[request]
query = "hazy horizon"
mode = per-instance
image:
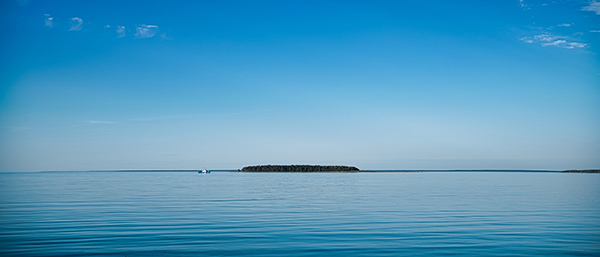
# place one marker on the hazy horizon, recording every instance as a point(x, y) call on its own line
point(380, 85)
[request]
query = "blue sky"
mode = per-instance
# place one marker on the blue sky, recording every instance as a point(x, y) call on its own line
point(103, 85)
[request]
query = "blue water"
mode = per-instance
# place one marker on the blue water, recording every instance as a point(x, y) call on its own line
point(305, 214)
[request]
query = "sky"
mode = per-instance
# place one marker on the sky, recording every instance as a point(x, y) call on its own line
point(116, 85)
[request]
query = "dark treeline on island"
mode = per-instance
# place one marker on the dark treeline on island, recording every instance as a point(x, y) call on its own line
point(581, 171)
point(299, 168)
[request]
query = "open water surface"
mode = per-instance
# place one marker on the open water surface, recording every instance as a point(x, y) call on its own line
point(299, 214)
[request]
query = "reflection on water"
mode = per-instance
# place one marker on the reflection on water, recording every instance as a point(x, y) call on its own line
point(314, 214)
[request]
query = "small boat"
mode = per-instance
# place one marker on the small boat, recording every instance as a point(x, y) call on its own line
point(204, 171)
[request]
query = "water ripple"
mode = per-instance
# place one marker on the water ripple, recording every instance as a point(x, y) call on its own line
point(376, 214)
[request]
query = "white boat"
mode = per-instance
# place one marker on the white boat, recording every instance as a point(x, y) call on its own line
point(204, 171)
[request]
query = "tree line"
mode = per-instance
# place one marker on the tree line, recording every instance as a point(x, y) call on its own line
point(299, 168)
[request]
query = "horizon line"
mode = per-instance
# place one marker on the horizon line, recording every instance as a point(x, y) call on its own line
point(366, 170)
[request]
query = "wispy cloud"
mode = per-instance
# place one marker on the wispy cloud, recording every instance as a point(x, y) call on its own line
point(562, 32)
point(558, 42)
point(146, 31)
point(49, 20)
point(76, 24)
point(164, 36)
point(542, 3)
point(522, 4)
point(120, 31)
point(551, 40)
point(564, 25)
point(594, 6)
point(572, 45)
point(527, 40)
point(141, 31)
point(100, 122)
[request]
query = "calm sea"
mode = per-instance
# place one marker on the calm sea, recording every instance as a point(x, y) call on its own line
point(299, 214)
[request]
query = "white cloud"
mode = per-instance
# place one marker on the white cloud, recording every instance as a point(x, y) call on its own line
point(595, 31)
point(593, 7)
point(49, 20)
point(527, 40)
point(572, 45)
point(565, 44)
point(141, 30)
point(120, 31)
point(76, 24)
point(544, 38)
point(146, 31)
point(551, 40)
point(564, 25)
point(99, 122)
point(555, 43)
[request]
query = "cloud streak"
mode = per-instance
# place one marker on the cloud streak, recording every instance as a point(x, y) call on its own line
point(146, 31)
point(76, 24)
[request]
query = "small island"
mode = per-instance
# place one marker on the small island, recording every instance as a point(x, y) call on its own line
point(581, 171)
point(299, 168)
